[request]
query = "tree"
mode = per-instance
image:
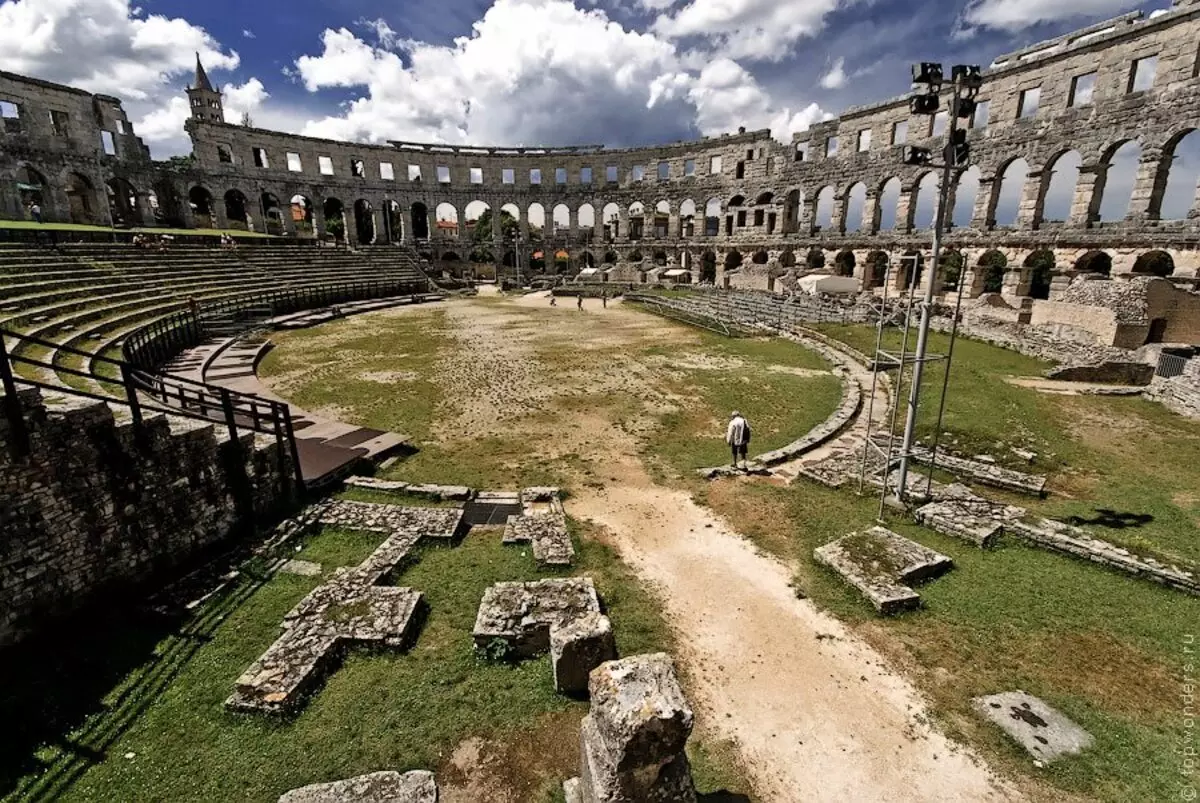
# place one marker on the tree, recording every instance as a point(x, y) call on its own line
point(952, 265)
point(247, 120)
point(482, 235)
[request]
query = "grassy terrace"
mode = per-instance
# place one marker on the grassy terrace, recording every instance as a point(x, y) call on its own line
point(1106, 648)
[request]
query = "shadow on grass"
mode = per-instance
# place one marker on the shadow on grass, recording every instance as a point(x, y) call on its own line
point(68, 693)
point(723, 797)
point(1112, 519)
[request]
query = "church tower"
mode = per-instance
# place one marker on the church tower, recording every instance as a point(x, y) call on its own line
point(205, 101)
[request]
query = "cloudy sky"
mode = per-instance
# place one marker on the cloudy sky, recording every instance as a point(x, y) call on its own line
point(618, 72)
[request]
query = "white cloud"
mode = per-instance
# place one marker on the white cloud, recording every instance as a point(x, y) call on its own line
point(245, 99)
point(1016, 15)
point(836, 77)
point(519, 79)
point(748, 29)
point(249, 34)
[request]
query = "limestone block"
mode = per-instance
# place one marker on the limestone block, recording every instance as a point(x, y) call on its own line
point(548, 534)
point(881, 564)
point(639, 709)
point(377, 787)
point(525, 614)
point(1044, 732)
point(578, 648)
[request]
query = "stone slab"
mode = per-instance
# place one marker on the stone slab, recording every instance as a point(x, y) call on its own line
point(882, 564)
point(548, 534)
point(579, 647)
point(1044, 732)
point(304, 568)
point(418, 786)
point(522, 614)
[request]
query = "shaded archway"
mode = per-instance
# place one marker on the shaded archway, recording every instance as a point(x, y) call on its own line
point(610, 257)
point(272, 215)
point(759, 258)
point(364, 221)
point(394, 220)
point(123, 202)
point(876, 269)
point(925, 201)
point(1154, 263)
point(660, 258)
point(687, 218)
point(992, 265)
point(170, 208)
point(708, 267)
point(912, 266)
point(1097, 262)
point(32, 187)
point(844, 263)
point(637, 220)
point(662, 219)
point(815, 260)
point(611, 217)
point(420, 221)
point(733, 260)
point(1040, 265)
point(334, 212)
point(81, 198)
point(950, 268)
point(712, 217)
point(792, 205)
point(302, 215)
point(237, 210)
point(200, 203)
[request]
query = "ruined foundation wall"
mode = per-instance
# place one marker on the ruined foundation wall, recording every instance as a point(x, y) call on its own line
point(97, 505)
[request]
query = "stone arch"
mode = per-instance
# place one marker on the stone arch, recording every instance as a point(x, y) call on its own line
point(302, 214)
point(925, 201)
point(687, 218)
point(856, 207)
point(611, 215)
point(170, 209)
point(535, 220)
point(992, 265)
point(760, 257)
point(889, 204)
point(585, 217)
point(660, 258)
point(635, 256)
point(587, 259)
point(335, 218)
point(1095, 262)
point(950, 268)
point(824, 217)
point(81, 197)
point(562, 261)
point(844, 263)
point(364, 221)
point(123, 202)
point(610, 257)
point(200, 201)
point(393, 217)
point(1154, 263)
point(272, 214)
point(237, 209)
point(965, 194)
point(446, 220)
point(1058, 186)
point(1114, 184)
point(764, 198)
point(1177, 185)
point(510, 232)
point(1040, 265)
point(787, 258)
point(876, 269)
point(712, 217)
point(33, 189)
point(1010, 184)
point(662, 219)
point(420, 221)
point(560, 217)
point(708, 267)
point(912, 265)
point(733, 260)
point(736, 201)
point(815, 259)
point(793, 203)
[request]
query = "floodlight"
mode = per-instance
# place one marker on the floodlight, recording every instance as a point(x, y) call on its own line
point(967, 75)
point(927, 72)
point(913, 155)
point(958, 151)
point(964, 108)
point(928, 103)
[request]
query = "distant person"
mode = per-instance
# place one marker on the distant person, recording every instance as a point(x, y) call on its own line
point(737, 435)
point(604, 299)
point(553, 300)
point(35, 212)
point(579, 301)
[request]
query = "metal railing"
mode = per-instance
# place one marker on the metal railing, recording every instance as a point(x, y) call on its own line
point(1170, 365)
point(141, 392)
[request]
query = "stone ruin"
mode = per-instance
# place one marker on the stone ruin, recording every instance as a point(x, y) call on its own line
point(1044, 732)
point(632, 742)
point(882, 565)
point(377, 787)
point(562, 616)
point(542, 523)
point(351, 608)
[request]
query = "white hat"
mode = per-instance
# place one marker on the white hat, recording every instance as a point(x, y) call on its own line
point(734, 414)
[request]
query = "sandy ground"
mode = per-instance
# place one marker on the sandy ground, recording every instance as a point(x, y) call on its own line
point(815, 713)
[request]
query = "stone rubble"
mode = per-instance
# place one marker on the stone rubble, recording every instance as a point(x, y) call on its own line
point(633, 740)
point(351, 608)
point(418, 786)
point(961, 513)
point(560, 615)
point(542, 523)
point(882, 565)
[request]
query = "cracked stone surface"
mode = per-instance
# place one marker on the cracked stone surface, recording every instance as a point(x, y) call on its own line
point(418, 786)
point(454, 493)
point(632, 741)
point(351, 608)
point(542, 523)
point(558, 615)
point(961, 513)
point(1044, 732)
point(882, 565)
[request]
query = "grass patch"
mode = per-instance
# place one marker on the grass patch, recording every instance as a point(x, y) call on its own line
point(379, 711)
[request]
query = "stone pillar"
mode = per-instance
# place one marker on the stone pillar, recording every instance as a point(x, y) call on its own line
point(1032, 203)
point(1146, 200)
point(981, 216)
point(808, 216)
point(632, 743)
point(838, 219)
point(948, 213)
point(1016, 282)
point(872, 213)
point(1085, 203)
point(906, 209)
point(1194, 212)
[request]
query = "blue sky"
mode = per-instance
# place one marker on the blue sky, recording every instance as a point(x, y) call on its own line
point(619, 72)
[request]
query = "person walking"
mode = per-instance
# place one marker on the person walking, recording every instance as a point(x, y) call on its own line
point(604, 299)
point(35, 212)
point(737, 435)
point(579, 301)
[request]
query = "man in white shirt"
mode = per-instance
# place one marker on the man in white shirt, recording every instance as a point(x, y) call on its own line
point(737, 435)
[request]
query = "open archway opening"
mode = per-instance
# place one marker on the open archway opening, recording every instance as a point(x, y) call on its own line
point(81, 198)
point(1154, 263)
point(844, 262)
point(237, 210)
point(420, 221)
point(1040, 265)
point(123, 202)
point(272, 214)
point(1117, 180)
point(733, 260)
point(815, 259)
point(1096, 262)
point(334, 212)
point(1060, 187)
point(302, 215)
point(1180, 176)
point(993, 264)
point(364, 222)
point(708, 267)
point(446, 221)
point(876, 272)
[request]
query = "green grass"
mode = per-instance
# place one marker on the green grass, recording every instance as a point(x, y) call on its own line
point(29, 224)
point(379, 711)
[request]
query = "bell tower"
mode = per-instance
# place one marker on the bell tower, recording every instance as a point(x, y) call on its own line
point(204, 100)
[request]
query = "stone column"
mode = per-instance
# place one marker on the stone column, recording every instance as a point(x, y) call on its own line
point(906, 209)
point(808, 215)
point(981, 216)
point(1016, 282)
point(838, 218)
point(1146, 200)
point(1031, 205)
point(1085, 203)
point(872, 213)
point(948, 214)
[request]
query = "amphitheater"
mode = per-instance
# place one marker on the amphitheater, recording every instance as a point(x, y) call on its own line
point(307, 461)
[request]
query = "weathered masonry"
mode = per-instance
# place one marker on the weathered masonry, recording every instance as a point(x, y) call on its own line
point(1058, 121)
